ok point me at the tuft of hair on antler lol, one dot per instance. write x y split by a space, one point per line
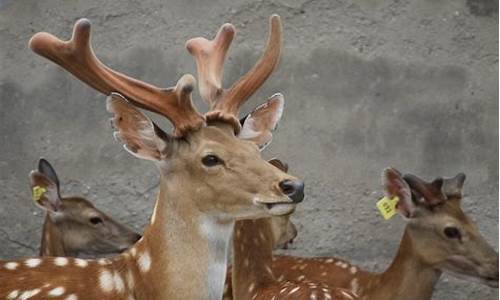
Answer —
210 54
78 58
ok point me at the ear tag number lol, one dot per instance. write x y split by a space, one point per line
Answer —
38 192
387 207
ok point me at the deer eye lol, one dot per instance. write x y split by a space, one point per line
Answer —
95 220
452 233
211 160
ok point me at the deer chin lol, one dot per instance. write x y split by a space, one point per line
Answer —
480 277
275 208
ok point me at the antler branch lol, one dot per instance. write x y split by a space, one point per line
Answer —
209 56
77 57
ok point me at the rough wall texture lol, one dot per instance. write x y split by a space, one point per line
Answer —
412 84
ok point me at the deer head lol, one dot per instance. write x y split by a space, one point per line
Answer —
442 234
73 225
205 155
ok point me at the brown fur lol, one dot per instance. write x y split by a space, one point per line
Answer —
424 252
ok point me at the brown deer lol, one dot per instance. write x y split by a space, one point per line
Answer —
210 177
73 226
439 237
252 273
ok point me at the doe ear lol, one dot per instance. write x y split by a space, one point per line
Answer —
45 192
283 166
258 125
453 187
396 186
46 169
139 135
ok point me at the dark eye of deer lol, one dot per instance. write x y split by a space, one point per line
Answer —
452 233
95 220
211 160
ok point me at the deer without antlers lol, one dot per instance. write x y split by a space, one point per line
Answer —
210 177
73 225
439 237
252 274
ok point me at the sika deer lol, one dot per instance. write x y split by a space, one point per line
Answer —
73 226
439 237
209 178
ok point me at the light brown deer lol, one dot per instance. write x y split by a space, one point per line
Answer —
209 178
252 273
73 226
439 237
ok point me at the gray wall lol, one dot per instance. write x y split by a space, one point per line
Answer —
368 84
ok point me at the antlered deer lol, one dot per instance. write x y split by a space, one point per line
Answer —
252 274
73 225
209 178
439 237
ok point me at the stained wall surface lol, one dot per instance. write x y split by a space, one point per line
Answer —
368 84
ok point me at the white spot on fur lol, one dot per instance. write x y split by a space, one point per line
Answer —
294 290
103 261
32 262
130 280
71 297
60 261
353 270
118 282
328 296
144 262
251 287
354 285
11 265
82 263
29 294
133 251
301 277
106 281
58 291
330 260
13 295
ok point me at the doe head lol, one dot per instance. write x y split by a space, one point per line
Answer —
441 233
74 221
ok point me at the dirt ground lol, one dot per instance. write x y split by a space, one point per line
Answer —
368 84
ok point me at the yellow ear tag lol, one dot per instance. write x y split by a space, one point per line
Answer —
38 192
387 207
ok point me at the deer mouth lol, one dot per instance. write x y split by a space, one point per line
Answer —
277 208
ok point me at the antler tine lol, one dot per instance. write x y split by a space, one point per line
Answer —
77 57
209 55
253 79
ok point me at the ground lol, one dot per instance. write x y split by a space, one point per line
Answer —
368 84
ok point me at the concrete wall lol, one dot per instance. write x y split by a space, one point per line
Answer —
368 84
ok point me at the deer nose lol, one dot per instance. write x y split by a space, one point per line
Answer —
294 189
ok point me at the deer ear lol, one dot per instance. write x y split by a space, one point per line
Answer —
46 169
453 187
258 125
139 135
396 186
45 192
283 166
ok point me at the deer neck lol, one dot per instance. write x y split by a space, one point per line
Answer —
252 257
52 243
408 277
187 248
